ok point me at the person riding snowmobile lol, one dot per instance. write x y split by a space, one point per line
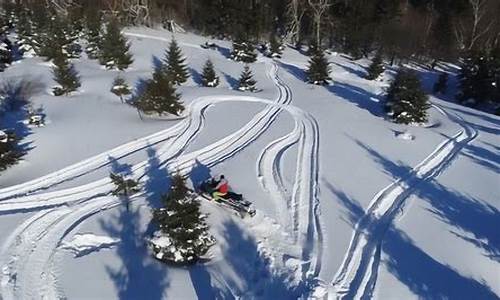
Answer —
221 188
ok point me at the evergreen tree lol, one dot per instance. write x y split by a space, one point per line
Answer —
65 74
9 152
275 47
124 187
208 77
159 96
441 85
5 53
175 67
319 69
246 82
376 67
93 26
406 102
243 51
120 87
183 235
479 77
57 36
114 50
24 31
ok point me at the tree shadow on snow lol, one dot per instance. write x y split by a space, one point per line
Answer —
483 157
157 179
138 276
16 96
196 76
256 279
359 73
426 277
233 82
118 168
359 97
199 174
294 70
157 63
226 52
477 222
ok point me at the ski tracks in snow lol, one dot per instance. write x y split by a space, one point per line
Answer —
27 258
357 275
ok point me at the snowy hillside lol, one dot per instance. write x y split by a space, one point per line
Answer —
349 205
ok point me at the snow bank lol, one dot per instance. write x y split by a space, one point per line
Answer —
86 243
407 136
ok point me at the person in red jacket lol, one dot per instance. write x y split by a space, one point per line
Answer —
220 189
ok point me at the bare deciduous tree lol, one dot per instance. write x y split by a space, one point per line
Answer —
318 8
295 12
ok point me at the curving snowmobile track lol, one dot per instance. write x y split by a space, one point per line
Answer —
37 239
357 276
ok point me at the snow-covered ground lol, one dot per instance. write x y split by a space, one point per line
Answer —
348 204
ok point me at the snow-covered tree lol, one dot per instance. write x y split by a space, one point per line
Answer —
208 77
114 50
9 152
5 53
441 84
406 101
159 96
26 42
246 81
93 30
243 51
376 67
183 235
275 47
65 74
175 66
120 87
59 37
479 78
124 187
319 69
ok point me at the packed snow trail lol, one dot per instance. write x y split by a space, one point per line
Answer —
44 231
89 199
37 239
357 276
88 165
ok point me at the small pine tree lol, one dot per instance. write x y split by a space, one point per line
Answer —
183 235
208 77
406 102
275 47
65 74
246 82
159 96
93 26
5 54
175 67
9 152
25 33
243 51
319 69
124 187
58 38
441 85
376 67
114 48
120 87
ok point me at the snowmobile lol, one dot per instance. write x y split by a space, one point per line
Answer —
231 200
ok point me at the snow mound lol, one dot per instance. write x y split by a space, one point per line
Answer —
407 136
86 243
